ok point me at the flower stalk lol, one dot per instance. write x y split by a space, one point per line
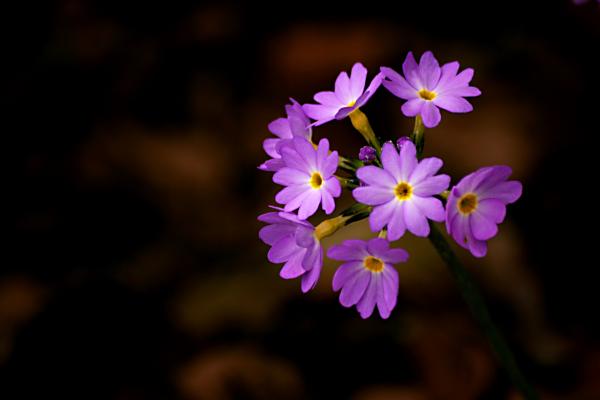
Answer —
470 293
418 135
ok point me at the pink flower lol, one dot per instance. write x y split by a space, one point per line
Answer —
349 95
426 86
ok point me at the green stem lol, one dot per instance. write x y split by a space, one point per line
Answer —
418 135
471 294
479 310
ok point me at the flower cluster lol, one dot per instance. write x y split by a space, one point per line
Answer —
396 189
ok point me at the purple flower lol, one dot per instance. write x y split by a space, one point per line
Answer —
367 154
349 95
426 86
308 175
293 242
296 124
367 277
477 204
402 192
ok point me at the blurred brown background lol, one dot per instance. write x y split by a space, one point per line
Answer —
131 265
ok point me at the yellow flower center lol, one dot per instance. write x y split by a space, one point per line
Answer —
353 102
373 264
427 95
316 180
403 191
467 203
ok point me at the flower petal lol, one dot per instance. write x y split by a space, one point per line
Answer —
295 202
371 89
320 113
271 218
448 74
328 99
372 195
283 249
354 288
492 209
342 88
430 114
332 185
310 279
411 71
306 150
482 227
270 234
391 161
401 89
293 267
287 194
431 207
358 77
426 168
432 185
329 165
367 303
377 247
390 287
408 160
349 250
270 147
415 220
395 256
491 176
309 204
396 226
292 159
477 247
327 202
461 230
452 103
413 107
346 272
507 192
463 91
375 176
429 70
289 176
313 257
382 215
321 154
280 127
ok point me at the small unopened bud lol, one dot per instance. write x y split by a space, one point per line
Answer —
367 154
400 142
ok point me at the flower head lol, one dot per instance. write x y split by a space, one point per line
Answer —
294 243
367 154
367 278
308 177
349 95
296 124
428 86
402 191
477 204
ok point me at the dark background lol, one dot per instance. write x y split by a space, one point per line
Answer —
131 264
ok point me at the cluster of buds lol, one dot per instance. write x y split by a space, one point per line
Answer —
396 189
